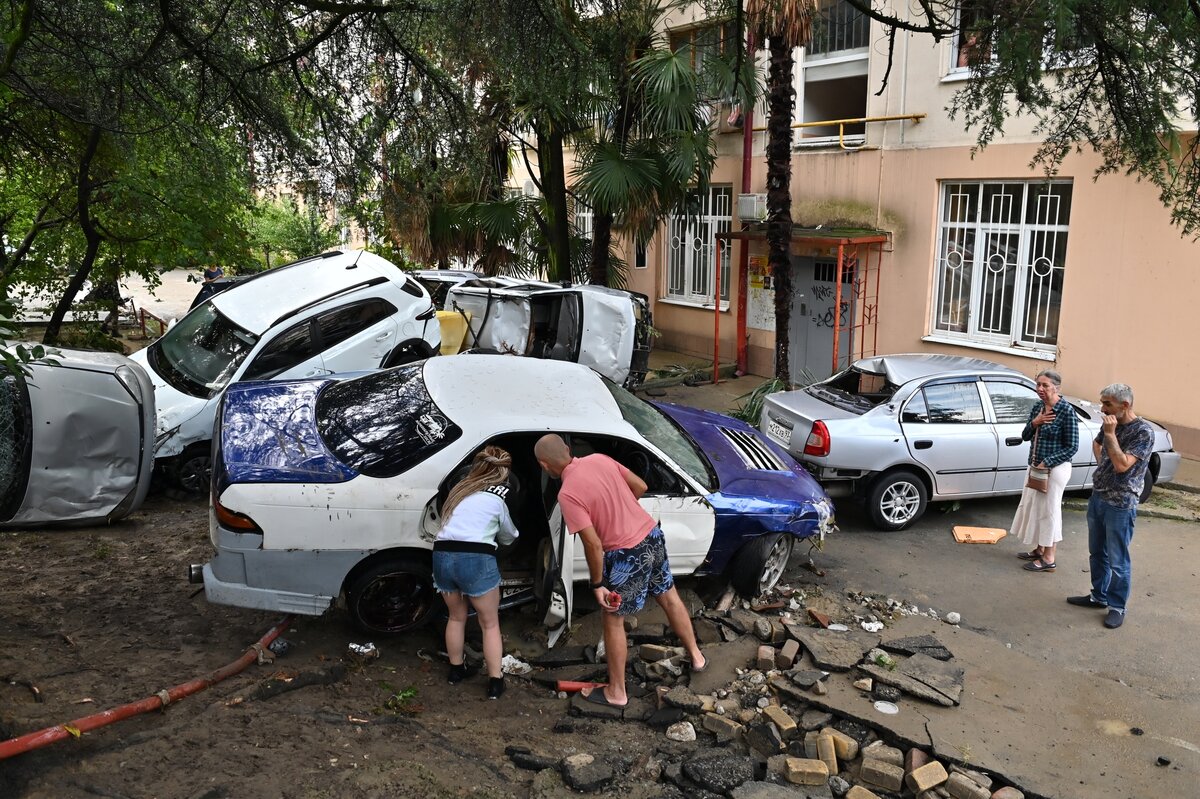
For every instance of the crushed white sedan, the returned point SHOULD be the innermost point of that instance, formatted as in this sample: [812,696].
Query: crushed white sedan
[332,488]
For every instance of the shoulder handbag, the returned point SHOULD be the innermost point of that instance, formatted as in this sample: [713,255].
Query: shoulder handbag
[1038,478]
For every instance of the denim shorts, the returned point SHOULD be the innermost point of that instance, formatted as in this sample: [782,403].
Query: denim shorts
[638,572]
[468,573]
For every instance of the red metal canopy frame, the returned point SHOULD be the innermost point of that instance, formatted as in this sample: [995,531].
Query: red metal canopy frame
[864,286]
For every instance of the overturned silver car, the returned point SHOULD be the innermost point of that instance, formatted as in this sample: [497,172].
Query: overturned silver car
[76,439]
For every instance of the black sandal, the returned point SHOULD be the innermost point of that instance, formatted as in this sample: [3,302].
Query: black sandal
[1039,565]
[1029,555]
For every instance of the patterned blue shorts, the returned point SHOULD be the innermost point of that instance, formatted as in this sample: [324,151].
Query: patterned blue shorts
[639,571]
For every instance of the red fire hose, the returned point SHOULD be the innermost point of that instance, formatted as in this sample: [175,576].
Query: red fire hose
[36,740]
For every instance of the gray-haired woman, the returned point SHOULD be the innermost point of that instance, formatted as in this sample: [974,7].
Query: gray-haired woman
[1054,431]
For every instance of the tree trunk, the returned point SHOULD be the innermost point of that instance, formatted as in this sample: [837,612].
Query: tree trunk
[554,191]
[780,101]
[602,228]
[91,236]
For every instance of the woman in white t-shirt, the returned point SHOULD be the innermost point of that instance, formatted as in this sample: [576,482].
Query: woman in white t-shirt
[474,519]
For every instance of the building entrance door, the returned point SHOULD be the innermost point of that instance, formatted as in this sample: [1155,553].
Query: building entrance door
[810,334]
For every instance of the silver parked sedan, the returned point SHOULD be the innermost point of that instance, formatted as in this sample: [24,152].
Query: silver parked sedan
[900,430]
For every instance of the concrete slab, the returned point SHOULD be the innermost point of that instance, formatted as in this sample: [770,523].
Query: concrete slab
[1052,732]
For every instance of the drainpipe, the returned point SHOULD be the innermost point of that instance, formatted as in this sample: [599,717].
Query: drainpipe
[744,254]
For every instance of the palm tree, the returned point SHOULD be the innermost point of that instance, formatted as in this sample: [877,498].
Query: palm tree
[652,142]
[784,25]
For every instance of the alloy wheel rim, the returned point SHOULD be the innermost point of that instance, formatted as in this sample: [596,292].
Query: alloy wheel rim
[899,502]
[775,564]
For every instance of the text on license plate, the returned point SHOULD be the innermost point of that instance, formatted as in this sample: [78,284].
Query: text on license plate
[779,432]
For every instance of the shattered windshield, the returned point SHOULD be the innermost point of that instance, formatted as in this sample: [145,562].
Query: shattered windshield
[658,428]
[385,423]
[200,354]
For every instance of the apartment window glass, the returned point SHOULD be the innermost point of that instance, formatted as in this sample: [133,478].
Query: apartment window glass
[705,42]
[838,26]
[1001,258]
[692,246]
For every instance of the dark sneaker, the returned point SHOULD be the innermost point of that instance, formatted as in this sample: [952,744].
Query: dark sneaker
[1114,619]
[1085,601]
[495,687]
[461,672]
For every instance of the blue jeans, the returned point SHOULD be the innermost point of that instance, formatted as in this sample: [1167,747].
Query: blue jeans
[1110,529]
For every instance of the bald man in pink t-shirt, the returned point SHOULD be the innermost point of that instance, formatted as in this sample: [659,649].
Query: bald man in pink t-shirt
[625,551]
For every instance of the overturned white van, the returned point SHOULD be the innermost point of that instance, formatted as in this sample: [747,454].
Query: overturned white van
[607,329]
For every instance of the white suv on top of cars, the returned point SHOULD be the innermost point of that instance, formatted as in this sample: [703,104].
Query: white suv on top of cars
[335,312]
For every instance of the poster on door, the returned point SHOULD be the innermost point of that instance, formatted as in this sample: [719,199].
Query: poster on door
[760,299]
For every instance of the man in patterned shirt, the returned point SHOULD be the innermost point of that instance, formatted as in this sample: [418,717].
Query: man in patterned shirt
[1122,450]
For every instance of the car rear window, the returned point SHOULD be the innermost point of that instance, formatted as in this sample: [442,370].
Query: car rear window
[385,423]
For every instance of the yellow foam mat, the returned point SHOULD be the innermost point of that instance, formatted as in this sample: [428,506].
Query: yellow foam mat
[978,535]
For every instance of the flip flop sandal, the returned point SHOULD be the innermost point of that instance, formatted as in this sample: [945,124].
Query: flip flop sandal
[597,697]
[699,669]
[1029,555]
[1039,566]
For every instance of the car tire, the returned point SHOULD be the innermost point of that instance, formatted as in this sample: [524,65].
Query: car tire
[1149,480]
[896,500]
[758,565]
[191,470]
[407,352]
[392,596]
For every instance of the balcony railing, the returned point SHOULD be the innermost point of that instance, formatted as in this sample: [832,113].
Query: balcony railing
[839,26]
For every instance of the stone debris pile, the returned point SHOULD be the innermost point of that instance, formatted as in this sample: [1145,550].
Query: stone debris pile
[754,724]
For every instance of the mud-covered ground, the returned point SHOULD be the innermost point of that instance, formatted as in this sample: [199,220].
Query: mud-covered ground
[93,618]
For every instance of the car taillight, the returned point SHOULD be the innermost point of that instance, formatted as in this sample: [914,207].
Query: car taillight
[233,521]
[818,440]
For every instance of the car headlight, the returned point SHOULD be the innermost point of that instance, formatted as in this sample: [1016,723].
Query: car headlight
[129,380]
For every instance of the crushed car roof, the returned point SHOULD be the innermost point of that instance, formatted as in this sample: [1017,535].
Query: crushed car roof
[510,392]
[901,368]
[298,285]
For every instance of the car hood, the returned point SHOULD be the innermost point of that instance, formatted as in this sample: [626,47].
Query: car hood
[173,407]
[745,462]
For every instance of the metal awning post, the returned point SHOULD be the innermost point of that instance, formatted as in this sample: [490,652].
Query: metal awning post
[716,374]
[837,306]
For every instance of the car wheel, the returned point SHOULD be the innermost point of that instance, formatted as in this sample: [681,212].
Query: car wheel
[897,500]
[758,565]
[407,352]
[393,596]
[191,470]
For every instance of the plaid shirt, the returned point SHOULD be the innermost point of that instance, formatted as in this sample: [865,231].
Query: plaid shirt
[1058,441]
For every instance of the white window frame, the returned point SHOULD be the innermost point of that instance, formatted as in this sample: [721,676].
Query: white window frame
[833,60]
[968,262]
[690,252]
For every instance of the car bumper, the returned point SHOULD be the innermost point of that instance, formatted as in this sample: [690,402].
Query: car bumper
[1168,465]
[241,595]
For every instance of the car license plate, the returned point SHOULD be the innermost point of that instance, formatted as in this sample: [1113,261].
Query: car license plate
[778,432]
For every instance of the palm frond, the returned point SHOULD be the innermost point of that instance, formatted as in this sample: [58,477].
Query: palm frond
[790,20]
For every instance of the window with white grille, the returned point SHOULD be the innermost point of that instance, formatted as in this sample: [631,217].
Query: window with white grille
[1001,256]
[691,246]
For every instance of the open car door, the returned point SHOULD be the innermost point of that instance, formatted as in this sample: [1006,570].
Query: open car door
[555,578]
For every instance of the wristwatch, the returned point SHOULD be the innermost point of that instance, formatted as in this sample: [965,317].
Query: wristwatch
[597,585]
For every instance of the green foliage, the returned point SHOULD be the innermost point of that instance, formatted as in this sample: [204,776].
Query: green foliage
[281,231]
[750,411]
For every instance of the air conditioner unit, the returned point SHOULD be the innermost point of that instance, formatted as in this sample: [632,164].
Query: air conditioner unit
[752,207]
